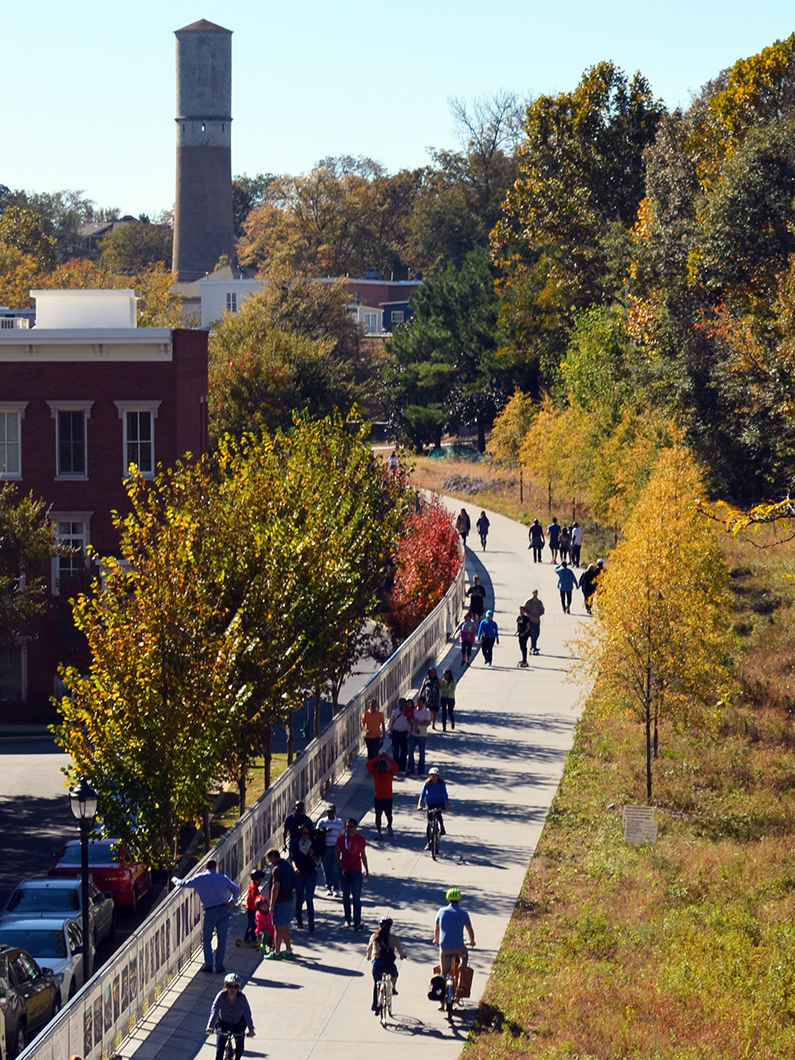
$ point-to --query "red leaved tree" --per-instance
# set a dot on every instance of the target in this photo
(427, 561)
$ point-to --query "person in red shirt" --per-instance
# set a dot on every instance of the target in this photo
(252, 894)
(351, 858)
(382, 769)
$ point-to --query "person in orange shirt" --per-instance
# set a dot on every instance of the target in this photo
(374, 730)
(382, 769)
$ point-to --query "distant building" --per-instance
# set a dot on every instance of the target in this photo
(82, 396)
(378, 305)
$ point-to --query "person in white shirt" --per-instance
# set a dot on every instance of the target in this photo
(576, 544)
(333, 826)
(419, 735)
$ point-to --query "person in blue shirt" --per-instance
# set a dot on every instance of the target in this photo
(488, 634)
(217, 894)
(567, 582)
(434, 796)
(448, 933)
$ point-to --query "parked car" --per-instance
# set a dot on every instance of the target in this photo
(50, 897)
(127, 881)
(55, 942)
(29, 997)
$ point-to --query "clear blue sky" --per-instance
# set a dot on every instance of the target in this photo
(90, 96)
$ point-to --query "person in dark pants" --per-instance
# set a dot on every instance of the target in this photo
(373, 725)
(463, 525)
(488, 634)
(352, 862)
(477, 598)
(399, 729)
(230, 1012)
(523, 632)
(305, 857)
(534, 609)
(382, 770)
(536, 535)
(567, 580)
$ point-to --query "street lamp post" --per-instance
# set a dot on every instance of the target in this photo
(83, 804)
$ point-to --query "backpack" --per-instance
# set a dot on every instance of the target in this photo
(437, 988)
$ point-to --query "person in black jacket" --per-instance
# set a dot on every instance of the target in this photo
(523, 633)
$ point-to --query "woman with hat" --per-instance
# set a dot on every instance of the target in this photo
(381, 950)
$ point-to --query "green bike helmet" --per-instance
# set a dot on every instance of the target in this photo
(453, 895)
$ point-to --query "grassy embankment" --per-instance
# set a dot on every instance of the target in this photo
(685, 950)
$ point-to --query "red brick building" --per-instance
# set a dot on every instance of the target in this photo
(82, 396)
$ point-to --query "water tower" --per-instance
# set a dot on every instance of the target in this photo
(203, 227)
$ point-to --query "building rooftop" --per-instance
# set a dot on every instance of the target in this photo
(203, 26)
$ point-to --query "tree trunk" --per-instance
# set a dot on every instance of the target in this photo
(290, 738)
(241, 787)
(335, 699)
(317, 710)
(268, 754)
(648, 752)
(437, 438)
(481, 435)
(206, 829)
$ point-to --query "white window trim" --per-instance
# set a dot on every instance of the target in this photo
(70, 406)
(68, 517)
(136, 406)
(18, 407)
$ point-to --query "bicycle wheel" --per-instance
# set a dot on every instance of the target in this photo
(389, 997)
(435, 837)
(383, 1001)
(229, 1051)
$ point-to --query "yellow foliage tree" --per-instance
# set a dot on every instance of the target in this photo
(510, 429)
(660, 643)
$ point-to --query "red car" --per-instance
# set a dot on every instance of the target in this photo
(127, 881)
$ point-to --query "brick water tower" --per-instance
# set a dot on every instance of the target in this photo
(203, 227)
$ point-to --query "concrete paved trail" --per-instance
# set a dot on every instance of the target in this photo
(502, 765)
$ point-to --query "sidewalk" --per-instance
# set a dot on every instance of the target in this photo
(502, 765)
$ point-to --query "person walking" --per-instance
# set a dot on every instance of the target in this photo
(383, 769)
(398, 730)
(332, 828)
(553, 533)
(217, 894)
(522, 632)
(281, 903)
(567, 580)
(231, 1014)
(448, 933)
(587, 583)
(467, 630)
(477, 598)
(351, 860)
(293, 823)
(564, 542)
(431, 691)
(434, 797)
(576, 544)
(252, 894)
(381, 950)
(374, 730)
(534, 609)
(483, 525)
(393, 463)
(447, 699)
(536, 535)
(420, 722)
(305, 859)
(488, 635)
(463, 525)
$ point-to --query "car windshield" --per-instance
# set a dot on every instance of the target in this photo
(98, 854)
(37, 941)
(44, 900)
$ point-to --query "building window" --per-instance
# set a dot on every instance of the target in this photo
(11, 439)
(357, 297)
(371, 323)
(397, 316)
(138, 444)
(71, 435)
(72, 531)
(231, 301)
(13, 673)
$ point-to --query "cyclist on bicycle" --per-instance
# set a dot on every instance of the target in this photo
(434, 795)
(230, 1014)
(381, 951)
(448, 933)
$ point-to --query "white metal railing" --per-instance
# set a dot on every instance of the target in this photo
(121, 993)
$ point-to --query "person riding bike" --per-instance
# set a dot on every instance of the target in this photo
(230, 1014)
(381, 950)
(448, 933)
(434, 795)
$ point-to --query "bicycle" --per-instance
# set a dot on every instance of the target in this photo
(384, 987)
(434, 830)
(232, 1035)
(451, 986)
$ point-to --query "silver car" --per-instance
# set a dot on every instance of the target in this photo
(54, 898)
(55, 943)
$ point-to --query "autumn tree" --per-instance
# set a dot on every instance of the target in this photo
(427, 562)
(27, 541)
(511, 428)
(660, 644)
(22, 229)
(133, 247)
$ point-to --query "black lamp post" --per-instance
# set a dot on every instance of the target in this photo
(83, 804)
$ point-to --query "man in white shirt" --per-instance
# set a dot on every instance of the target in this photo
(419, 735)
(333, 827)
(576, 544)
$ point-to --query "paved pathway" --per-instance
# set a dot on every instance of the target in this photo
(502, 764)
